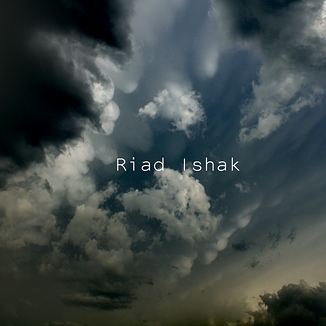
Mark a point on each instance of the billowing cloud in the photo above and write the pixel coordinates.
(288, 36)
(46, 98)
(104, 240)
(179, 201)
(86, 238)
(293, 304)
(26, 213)
(183, 110)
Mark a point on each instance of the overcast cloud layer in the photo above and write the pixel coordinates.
(174, 81)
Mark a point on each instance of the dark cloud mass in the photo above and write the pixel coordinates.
(293, 305)
(186, 82)
(44, 99)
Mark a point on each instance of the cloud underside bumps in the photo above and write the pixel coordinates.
(286, 34)
(84, 83)
(49, 74)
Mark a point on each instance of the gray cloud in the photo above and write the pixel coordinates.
(109, 301)
(45, 100)
(179, 201)
(289, 36)
(56, 223)
(293, 304)
(243, 187)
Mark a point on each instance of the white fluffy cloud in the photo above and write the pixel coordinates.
(279, 94)
(184, 110)
(179, 201)
(102, 236)
(26, 213)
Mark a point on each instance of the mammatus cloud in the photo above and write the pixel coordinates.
(183, 110)
(288, 36)
(49, 88)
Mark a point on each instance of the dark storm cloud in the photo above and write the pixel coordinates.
(44, 101)
(294, 304)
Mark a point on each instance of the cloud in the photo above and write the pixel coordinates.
(179, 202)
(184, 110)
(26, 213)
(243, 187)
(47, 84)
(243, 218)
(112, 301)
(54, 216)
(206, 49)
(102, 237)
(287, 34)
(293, 304)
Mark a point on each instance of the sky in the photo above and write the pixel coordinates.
(162, 162)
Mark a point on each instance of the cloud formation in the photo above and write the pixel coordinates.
(293, 304)
(46, 98)
(183, 110)
(177, 200)
(288, 36)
